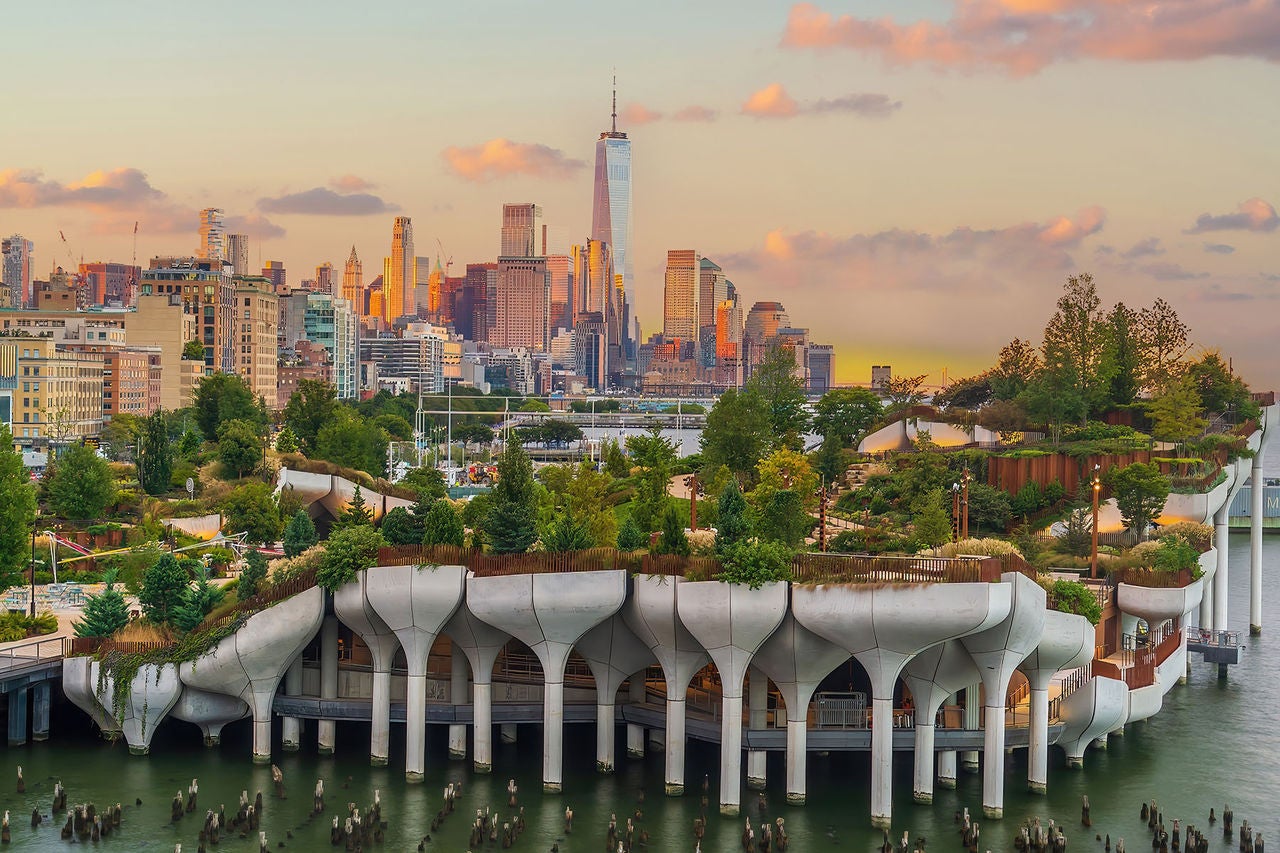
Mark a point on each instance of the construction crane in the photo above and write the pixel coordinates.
(448, 264)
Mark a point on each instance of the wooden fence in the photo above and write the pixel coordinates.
(102, 645)
(1153, 578)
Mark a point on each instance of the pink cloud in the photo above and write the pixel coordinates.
(1251, 215)
(771, 102)
(351, 184)
(696, 113)
(502, 158)
(26, 188)
(638, 114)
(1021, 37)
(1063, 231)
(255, 225)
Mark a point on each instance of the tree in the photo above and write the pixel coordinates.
(239, 446)
(197, 602)
(356, 514)
(532, 405)
(903, 392)
(673, 539)
(566, 534)
(1140, 491)
(189, 445)
(1053, 398)
(310, 408)
(582, 492)
(18, 498)
(395, 426)
(784, 519)
(1220, 390)
(254, 573)
(118, 434)
(737, 433)
(300, 534)
(286, 441)
(164, 588)
(755, 564)
(225, 397)
(785, 470)
(845, 414)
(1125, 355)
(630, 536)
(829, 461)
(782, 391)
(155, 456)
(655, 456)
(1016, 365)
(732, 525)
(193, 351)
(932, 520)
(252, 509)
(988, 508)
(443, 526)
(615, 460)
(970, 393)
(401, 528)
(512, 524)
(1076, 536)
(104, 613)
(82, 486)
(346, 553)
(476, 433)
(1164, 341)
(1175, 414)
(427, 482)
(351, 440)
(1076, 344)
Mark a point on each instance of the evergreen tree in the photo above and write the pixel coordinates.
(82, 486)
(401, 528)
(565, 534)
(673, 539)
(356, 513)
(155, 455)
(189, 445)
(655, 456)
(443, 526)
(253, 576)
(252, 509)
(932, 520)
(732, 526)
(309, 409)
(164, 589)
(286, 441)
(197, 603)
(300, 534)
(775, 381)
(105, 613)
(18, 499)
(239, 446)
(784, 519)
(630, 536)
(615, 460)
(511, 526)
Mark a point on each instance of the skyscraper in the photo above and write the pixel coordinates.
(397, 295)
(274, 270)
(519, 230)
(211, 235)
(611, 218)
(353, 280)
(237, 252)
(520, 304)
(18, 251)
(324, 278)
(560, 268)
(680, 314)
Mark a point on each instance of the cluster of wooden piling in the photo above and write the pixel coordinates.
(489, 827)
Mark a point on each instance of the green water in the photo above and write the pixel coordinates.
(1214, 742)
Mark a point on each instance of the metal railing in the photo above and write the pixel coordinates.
(1205, 637)
(1069, 685)
(32, 652)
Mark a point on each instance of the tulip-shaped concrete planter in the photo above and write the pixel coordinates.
(351, 604)
(1099, 707)
(797, 660)
(415, 602)
(79, 684)
(614, 654)
(147, 698)
(210, 711)
(997, 651)
(1155, 605)
(932, 676)
(653, 615)
(884, 626)
(731, 622)
(250, 663)
(481, 643)
(549, 613)
(1065, 644)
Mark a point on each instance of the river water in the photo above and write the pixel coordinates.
(1215, 742)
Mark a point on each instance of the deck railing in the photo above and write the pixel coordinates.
(1153, 578)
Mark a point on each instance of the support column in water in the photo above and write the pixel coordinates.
(1038, 751)
(635, 733)
(931, 676)
(946, 762)
(328, 681)
(972, 721)
(1256, 507)
(18, 716)
(457, 696)
(1206, 601)
(40, 711)
(1221, 537)
(758, 705)
(291, 728)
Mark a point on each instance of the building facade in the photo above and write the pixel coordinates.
(211, 235)
(611, 220)
(353, 281)
(18, 252)
(257, 319)
(332, 324)
(208, 295)
(237, 253)
(399, 275)
(520, 305)
(680, 314)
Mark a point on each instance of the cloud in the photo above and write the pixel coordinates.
(1143, 249)
(1164, 271)
(117, 188)
(1252, 215)
(1021, 37)
(694, 112)
(638, 114)
(773, 102)
(1219, 248)
(255, 225)
(351, 184)
(1064, 231)
(325, 202)
(502, 158)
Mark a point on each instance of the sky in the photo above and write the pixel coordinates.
(913, 179)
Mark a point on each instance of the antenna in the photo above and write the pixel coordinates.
(615, 101)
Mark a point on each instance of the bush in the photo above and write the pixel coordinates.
(1075, 597)
(755, 563)
(980, 548)
(673, 539)
(1199, 535)
(290, 567)
(630, 536)
(347, 552)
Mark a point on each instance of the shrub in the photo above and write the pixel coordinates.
(630, 536)
(702, 543)
(1174, 554)
(1075, 597)
(290, 567)
(755, 563)
(1199, 535)
(980, 548)
(347, 552)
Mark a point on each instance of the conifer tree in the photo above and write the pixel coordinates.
(630, 536)
(731, 511)
(253, 574)
(512, 526)
(197, 603)
(356, 513)
(443, 526)
(300, 534)
(155, 455)
(673, 540)
(164, 589)
(105, 613)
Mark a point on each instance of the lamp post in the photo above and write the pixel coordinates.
(964, 505)
(1097, 487)
(33, 568)
(955, 512)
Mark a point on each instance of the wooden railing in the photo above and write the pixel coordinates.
(1153, 578)
(103, 645)
(855, 568)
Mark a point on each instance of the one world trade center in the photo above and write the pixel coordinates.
(611, 223)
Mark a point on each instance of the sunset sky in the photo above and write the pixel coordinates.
(913, 180)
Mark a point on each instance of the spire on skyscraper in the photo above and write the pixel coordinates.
(615, 102)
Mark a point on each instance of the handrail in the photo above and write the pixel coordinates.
(11, 652)
(1153, 578)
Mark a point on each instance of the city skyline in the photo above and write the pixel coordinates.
(809, 150)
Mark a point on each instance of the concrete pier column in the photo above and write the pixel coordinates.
(1038, 749)
(351, 604)
(1065, 644)
(932, 676)
(327, 729)
(457, 696)
(482, 726)
(797, 760)
(922, 784)
(758, 718)
(18, 716)
(1221, 595)
(946, 769)
(1206, 600)
(635, 733)
(614, 654)
(291, 727)
(40, 711)
(606, 734)
(972, 720)
(482, 644)
(1256, 509)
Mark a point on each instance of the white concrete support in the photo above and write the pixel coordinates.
(327, 729)
(635, 734)
(1221, 591)
(652, 613)
(1206, 600)
(351, 604)
(152, 692)
(1256, 509)
(731, 622)
(946, 762)
(933, 676)
(548, 613)
(291, 727)
(212, 711)
(614, 654)
(482, 644)
(972, 721)
(1093, 710)
(79, 681)
(1038, 748)
(415, 602)
(458, 696)
(758, 718)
